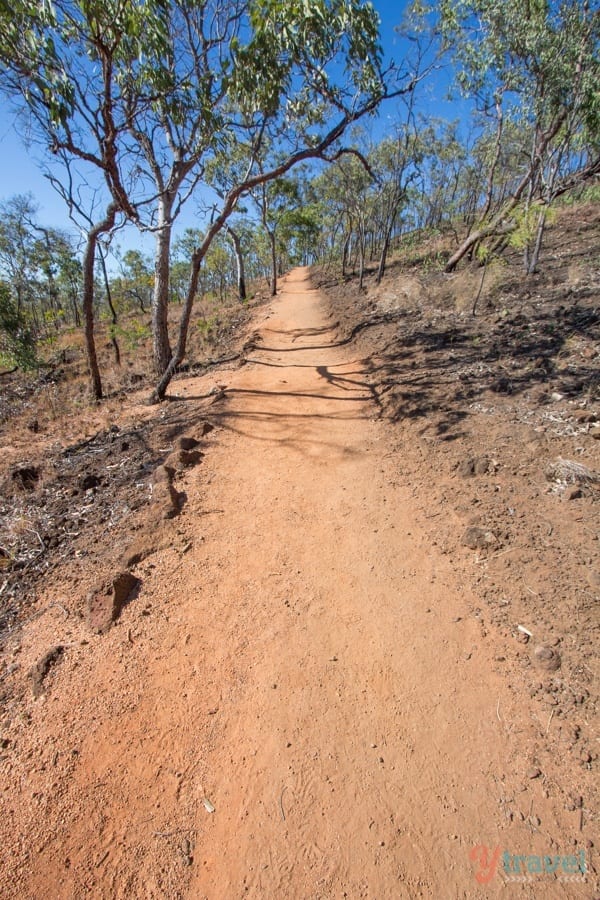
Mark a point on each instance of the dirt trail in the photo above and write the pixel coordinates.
(311, 669)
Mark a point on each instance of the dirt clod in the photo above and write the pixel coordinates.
(546, 658)
(39, 672)
(477, 538)
(26, 477)
(187, 443)
(105, 603)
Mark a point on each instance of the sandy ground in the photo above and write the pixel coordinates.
(304, 700)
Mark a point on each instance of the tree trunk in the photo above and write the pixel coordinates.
(496, 159)
(537, 247)
(478, 295)
(160, 301)
(113, 312)
(75, 306)
(239, 259)
(497, 226)
(361, 260)
(345, 253)
(273, 244)
(383, 258)
(89, 258)
(161, 388)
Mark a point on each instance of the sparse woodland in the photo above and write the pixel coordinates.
(261, 115)
(325, 621)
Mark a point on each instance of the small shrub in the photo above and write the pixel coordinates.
(17, 339)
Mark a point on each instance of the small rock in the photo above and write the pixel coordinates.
(574, 494)
(502, 386)
(546, 658)
(550, 699)
(585, 416)
(534, 772)
(90, 481)
(105, 602)
(475, 466)
(568, 734)
(466, 468)
(481, 465)
(595, 432)
(477, 538)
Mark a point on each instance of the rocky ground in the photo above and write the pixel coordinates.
(495, 419)
(491, 425)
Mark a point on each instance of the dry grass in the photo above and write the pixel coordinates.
(55, 406)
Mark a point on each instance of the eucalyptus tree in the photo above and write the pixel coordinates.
(147, 92)
(305, 73)
(236, 240)
(135, 280)
(58, 62)
(18, 263)
(17, 342)
(538, 65)
(396, 162)
(276, 201)
(36, 262)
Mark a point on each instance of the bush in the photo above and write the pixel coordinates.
(17, 342)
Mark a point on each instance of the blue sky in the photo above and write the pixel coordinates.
(20, 172)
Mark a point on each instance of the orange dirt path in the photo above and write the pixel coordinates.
(303, 704)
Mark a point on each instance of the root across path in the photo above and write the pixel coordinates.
(302, 702)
